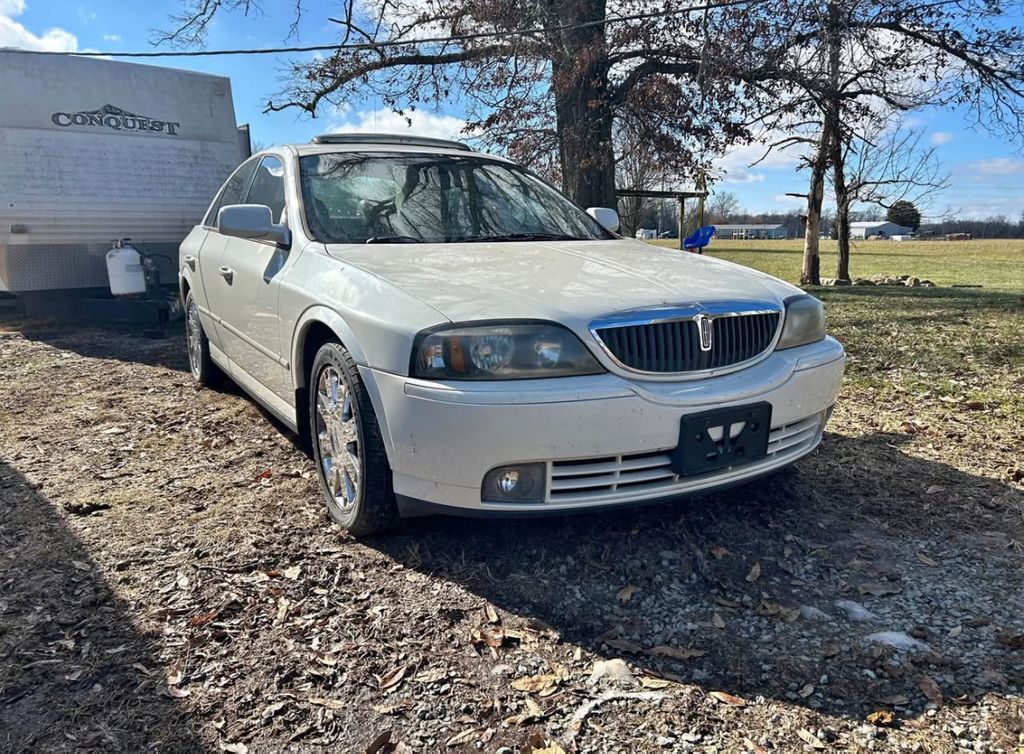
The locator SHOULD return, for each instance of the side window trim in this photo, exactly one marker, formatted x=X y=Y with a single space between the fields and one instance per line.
x=215 y=209
x=280 y=163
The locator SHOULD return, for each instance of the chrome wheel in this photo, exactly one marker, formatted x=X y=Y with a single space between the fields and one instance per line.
x=338 y=437
x=194 y=335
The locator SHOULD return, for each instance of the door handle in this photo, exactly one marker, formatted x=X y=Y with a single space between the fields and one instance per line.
x=227 y=273
x=190 y=261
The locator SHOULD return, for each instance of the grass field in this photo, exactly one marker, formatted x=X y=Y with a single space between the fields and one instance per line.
x=997 y=264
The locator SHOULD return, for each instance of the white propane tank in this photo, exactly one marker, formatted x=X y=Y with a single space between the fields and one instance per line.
x=124 y=268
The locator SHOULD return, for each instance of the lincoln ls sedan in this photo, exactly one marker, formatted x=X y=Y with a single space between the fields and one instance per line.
x=450 y=333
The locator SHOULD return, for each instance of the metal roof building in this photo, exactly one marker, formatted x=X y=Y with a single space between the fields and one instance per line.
x=752 y=231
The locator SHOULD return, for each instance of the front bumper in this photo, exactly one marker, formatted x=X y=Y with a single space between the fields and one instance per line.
x=605 y=439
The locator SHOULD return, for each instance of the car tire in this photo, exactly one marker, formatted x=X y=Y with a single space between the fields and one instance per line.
x=352 y=464
x=204 y=371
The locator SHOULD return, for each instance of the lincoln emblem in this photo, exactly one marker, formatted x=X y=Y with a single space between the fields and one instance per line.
x=704 y=328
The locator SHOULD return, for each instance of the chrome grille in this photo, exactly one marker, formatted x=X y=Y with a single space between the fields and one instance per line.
x=675 y=345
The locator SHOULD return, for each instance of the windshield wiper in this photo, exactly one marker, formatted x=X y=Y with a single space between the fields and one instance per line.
x=393 y=239
x=519 y=237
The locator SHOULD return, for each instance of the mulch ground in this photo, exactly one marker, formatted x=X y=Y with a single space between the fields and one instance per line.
x=169 y=579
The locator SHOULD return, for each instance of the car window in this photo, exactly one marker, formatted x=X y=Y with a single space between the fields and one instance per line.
x=233 y=191
x=268 y=186
x=355 y=198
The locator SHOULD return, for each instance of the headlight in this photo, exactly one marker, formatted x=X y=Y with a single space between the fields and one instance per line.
x=501 y=352
x=805 y=322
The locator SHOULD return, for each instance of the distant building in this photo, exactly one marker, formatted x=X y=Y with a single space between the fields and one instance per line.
x=878 y=229
x=759 y=232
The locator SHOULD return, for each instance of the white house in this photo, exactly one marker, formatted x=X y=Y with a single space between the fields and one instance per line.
x=751 y=231
x=877 y=228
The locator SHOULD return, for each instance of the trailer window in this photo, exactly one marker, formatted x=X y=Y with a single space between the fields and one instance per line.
x=233 y=191
x=268 y=187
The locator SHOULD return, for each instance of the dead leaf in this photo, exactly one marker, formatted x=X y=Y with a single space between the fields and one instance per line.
x=725 y=601
x=879 y=588
x=806 y=691
x=292 y=572
x=717 y=620
x=931 y=690
x=202 y=619
x=810 y=739
x=378 y=744
x=492 y=636
x=491 y=613
x=894 y=700
x=393 y=677
x=719 y=552
x=955 y=632
x=234 y=748
x=755 y=572
x=934 y=489
x=175 y=673
x=272 y=709
x=675 y=653
x=431 y=676
x=177 y=693
x=882 y=718
x=726 y=698
x=926 y=559
x=625 y=594
x=535 y=683
x=464 y=737
x=649 y=682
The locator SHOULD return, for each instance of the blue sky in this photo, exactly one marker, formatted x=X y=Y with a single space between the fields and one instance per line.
x=987 y=173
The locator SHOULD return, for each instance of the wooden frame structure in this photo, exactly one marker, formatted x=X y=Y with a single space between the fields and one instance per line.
x=679 y=196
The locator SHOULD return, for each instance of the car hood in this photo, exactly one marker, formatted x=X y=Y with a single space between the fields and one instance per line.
x=571 y=282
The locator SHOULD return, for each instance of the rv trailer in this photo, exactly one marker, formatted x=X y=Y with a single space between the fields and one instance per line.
x=94 y=150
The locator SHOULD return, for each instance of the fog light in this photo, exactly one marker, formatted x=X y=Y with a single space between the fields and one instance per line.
x=523 y=483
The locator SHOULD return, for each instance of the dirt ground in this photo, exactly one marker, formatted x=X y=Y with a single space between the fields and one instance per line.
x=169 y=581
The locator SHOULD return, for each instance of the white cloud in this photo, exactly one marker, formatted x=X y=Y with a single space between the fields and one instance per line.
x=111 y=37
x=942 y=137
x=14 y=34
x=387 y=122
x=999 y=166
x=742 y=175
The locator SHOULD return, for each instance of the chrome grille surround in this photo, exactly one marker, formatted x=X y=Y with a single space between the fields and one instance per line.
x=673 y=340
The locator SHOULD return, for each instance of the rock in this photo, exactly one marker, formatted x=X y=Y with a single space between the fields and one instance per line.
x=898 y=640
x=927 y=284
x=863 y=281
x=912 y=282
x=856 y=611
x=611 y=671
x=841 y=281
x=809 y=612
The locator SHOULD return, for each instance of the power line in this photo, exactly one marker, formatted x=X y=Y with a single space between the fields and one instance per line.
x=398 y=42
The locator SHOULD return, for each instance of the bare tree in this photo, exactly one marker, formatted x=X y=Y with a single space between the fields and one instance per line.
x=722 y=205
x=861 y=60
x=685 y=72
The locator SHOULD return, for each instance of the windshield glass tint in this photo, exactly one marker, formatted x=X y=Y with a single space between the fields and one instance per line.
x=355 y=198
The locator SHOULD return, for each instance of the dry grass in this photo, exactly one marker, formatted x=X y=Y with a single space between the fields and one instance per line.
x=995 y=264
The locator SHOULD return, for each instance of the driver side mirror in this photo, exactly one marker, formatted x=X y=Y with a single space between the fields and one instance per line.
x=253 y=222
x=608 y=218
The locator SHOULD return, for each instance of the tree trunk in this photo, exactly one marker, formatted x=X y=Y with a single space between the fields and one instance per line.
x=585 y=143
x=583 y=116
x=811 y=274
x=843 y=201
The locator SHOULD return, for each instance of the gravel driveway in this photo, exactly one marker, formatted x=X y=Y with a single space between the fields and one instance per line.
x=168 y=580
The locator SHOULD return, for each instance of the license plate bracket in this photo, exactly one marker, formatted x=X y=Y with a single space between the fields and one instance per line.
x=722 y=437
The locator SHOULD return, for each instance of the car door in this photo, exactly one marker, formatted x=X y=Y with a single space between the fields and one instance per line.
x=211 y=253
x=250 y=314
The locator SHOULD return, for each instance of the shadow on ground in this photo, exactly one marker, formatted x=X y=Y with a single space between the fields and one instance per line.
x=726 y=575
x=74 y=671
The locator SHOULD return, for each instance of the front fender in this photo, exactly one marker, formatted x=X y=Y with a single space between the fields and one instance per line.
x=319 y=314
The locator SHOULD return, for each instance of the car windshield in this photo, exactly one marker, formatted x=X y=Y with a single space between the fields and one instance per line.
x=423 y=198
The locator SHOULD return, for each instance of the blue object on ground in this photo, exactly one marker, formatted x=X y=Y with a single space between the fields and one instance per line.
x=699 y=238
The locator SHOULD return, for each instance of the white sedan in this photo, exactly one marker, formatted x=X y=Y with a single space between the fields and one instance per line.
x=450 y=333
